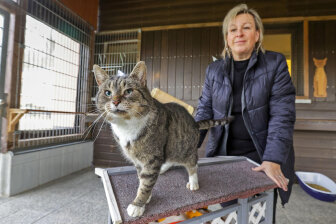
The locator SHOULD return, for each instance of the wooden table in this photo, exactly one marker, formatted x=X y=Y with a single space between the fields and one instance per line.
x=221 y=179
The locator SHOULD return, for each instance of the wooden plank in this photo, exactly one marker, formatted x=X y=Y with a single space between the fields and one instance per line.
x=112 y=203
x=149 y=37
x=180 y=64
x=107 y=148
x=182 y=26
x=172 y=62
x=164 y=61
x=196 y=62
x=315 y=142
x=306 y=58
x=318 y=163
x=163 y=97
x=330 y=67
x=109 y=156
x=138 y=56
x=312 y=114
x=156 y=59
x=105 y=140
x=188 y=38
x=205 y=54
x=310 y=152
x=315 y=135
x=220 y=43
x=315 y=125
x=214 y=42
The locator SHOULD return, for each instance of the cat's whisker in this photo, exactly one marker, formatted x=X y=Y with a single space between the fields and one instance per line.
x=88 y=129
x=93 y=111
x=100 y=129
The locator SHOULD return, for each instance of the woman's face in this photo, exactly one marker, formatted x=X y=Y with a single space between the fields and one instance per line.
x=242 y=36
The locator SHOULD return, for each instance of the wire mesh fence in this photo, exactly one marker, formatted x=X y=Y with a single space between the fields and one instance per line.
x=117 y=51
x=53 y=73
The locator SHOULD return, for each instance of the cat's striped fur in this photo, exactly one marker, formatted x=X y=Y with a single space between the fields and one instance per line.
x=152 y=135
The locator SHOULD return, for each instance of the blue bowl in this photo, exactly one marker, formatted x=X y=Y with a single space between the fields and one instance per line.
x=306 y=178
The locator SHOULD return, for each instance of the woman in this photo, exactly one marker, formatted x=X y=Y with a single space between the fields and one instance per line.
x=255 y=87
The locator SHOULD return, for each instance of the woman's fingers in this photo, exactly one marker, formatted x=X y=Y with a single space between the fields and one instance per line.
x=273 y=171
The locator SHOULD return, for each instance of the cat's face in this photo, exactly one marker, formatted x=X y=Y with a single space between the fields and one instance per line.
x=320 y=62
x=121 y=97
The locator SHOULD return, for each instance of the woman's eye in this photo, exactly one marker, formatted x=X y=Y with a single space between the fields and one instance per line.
x=233 y=30
x=108 y=93
x=128 y=91
x=247 y=27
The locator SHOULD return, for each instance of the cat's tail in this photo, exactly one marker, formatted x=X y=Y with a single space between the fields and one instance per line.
x=206 y=124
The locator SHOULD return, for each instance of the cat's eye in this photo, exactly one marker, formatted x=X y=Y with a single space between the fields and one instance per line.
x=108 y=93
x=128 y=91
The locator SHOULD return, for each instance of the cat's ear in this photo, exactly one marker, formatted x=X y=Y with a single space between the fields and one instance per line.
x=314 y=59
x=100 y=75
x=139 y=72
x=325 y=60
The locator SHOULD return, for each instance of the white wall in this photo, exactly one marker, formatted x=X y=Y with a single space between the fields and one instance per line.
x=25 y=171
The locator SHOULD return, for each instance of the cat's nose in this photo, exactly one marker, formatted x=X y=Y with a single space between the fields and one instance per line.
x=116 y=102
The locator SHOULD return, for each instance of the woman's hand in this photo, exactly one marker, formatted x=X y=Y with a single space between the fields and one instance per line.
x=273 y=171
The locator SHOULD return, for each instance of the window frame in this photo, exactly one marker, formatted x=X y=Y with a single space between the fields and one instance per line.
x=295 y=29
x=3 y=65
x=49 y=13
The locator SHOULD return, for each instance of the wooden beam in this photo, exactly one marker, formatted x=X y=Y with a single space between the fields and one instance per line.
x=213 y=24
x=306 y=58
x=14 y=116
x=139 y=46
x=181 y=26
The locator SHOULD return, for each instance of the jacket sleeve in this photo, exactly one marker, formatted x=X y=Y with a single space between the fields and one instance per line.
x=281 y=115
x=204 y=109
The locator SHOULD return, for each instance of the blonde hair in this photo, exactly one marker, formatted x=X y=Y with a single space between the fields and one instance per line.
x=239 y=9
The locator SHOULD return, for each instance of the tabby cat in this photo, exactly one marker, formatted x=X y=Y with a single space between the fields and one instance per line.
x=153 y=136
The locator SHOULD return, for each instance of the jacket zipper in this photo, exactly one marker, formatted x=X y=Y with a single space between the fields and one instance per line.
x=248 y=126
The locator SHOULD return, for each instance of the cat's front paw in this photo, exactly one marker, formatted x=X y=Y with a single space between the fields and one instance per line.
x=192 y=186
x=135 y=211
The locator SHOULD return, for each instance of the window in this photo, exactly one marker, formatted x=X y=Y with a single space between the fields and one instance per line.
x=117 y=51
x=280 y=43
x=288 y=40
x=52 y=78
x=49 y=77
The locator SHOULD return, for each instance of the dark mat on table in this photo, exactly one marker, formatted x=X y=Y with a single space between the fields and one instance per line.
x=218 y=183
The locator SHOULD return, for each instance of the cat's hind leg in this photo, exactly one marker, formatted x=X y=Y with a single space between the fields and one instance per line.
x=193 y=178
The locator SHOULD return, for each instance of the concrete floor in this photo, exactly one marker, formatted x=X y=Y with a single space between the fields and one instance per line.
x=80 y=199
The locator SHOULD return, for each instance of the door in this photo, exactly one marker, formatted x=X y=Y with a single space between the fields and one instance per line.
x=4 y=17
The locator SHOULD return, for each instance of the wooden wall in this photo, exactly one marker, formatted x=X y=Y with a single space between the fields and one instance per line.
x=106 y=152
x=322 y=44
x=176 y=59
x=315 y=135
x=86 y=9
x=125 y=14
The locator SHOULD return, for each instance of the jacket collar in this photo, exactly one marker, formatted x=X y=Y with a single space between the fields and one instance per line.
x=253 y=60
